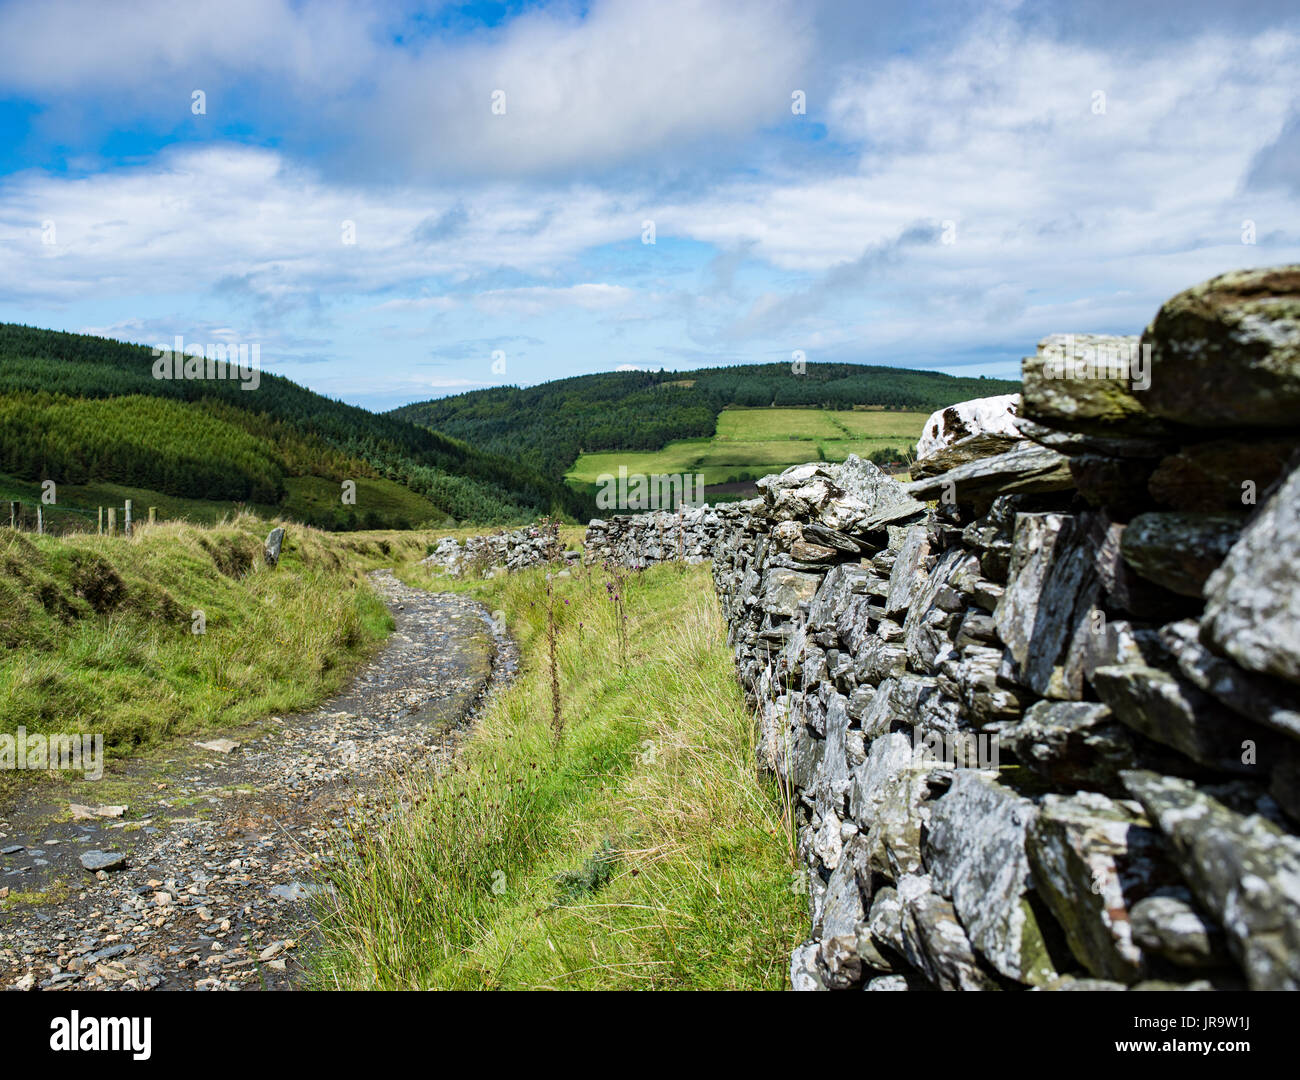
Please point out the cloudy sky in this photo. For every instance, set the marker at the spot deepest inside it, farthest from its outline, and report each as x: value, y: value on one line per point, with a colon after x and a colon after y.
x: 388, y: 197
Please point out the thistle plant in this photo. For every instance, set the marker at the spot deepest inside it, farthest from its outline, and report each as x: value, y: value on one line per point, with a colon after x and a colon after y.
x: 557, y: 715
x: 616, y: 591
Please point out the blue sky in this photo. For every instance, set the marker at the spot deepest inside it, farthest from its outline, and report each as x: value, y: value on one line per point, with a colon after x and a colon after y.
x: 966, y: 179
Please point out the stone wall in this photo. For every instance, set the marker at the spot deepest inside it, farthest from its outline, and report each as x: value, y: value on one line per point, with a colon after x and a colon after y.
x: 514, y: 550
x: 641, y: 540
x: 1039, y: 709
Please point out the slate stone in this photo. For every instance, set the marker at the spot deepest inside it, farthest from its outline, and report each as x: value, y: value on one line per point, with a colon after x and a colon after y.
x: 1222, y: 475
x: 1082, y: 442
x: 934, y: 941
x: 785, y: 590
x: 976, y: 857
x: 1123, y: 587
x: 972, y: 677
x: 806, y: 759
x: 1071, y: 983
x: 888, y: 983
x: 832, y: 538
x: 1171, y: 927
x: 1243, y: 870
x: 804, y: 552
x: 879, y: 660
x: 975, y: 628
x: 274, y: 540
x: 887, y: 804
x: 1178, y: 550
x: 1252, y: 609
x: 1255, y: 697
x: 1226, y: 353
x: 1045, y: 615
x: 910, y: 564
x: 854, y: 627
x: 843, y: 915
x: 878, y: 716
x: 859, y: 701
x: 885, y: 500
x: 1073, y: 744
x: 1117, y: 484
x: 1092, y: 859
x: 804, y: 972
x: 992, y: 533
x: 1120, y: 642
x: 94, y: 861
x: 1169, y: 709
x: 885, y: 921
x: 1068, y: 384
x: 1027, y: 467
x: 775, y: 734
x: 963, y: 452
x: 873, y: 957
x: 931, y: 614
x: 835, y: 777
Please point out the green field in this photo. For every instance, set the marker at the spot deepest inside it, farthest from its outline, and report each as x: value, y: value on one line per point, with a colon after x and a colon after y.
x: 750, y: 443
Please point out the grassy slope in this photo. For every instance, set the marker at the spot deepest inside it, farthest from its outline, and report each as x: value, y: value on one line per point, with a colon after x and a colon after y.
x: 753, y: 442
x: 96, y: 631
x: 89, y: 409
x: 490, y: 876
x: 391, y: 503
x: 305, y: 496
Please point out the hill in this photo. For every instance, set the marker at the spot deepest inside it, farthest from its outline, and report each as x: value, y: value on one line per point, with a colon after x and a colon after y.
x: 550, y: 425
x: 88, y: 413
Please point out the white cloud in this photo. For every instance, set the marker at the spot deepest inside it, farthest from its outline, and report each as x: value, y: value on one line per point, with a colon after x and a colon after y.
x: 420, y: 303
x: 622, y: 81
x: 542, y: 299
x: 1065, y: 219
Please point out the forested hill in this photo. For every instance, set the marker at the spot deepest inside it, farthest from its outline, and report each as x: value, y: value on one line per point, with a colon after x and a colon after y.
x: 78, y: 409
x: 547, y: 426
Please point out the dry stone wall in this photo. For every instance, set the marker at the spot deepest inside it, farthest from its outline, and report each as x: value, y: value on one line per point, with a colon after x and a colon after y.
x: 514, y: 550
x: 641, y: 540
x: 1039, y: 709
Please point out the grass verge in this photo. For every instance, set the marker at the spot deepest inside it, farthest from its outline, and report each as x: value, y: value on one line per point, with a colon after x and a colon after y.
x: 642, y: 850
x: 97, y: 634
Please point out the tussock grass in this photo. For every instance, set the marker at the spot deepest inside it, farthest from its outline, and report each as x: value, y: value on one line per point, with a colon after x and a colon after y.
x: 97, y: 631
x: 641, y: 851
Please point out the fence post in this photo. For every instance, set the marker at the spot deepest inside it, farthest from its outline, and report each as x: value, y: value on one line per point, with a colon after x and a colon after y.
x: 40, y: 521
x: 153, y: 515
x: 14, y: 507
x: 126, y: 523
x: 112, y: 520
x: 101, y: 521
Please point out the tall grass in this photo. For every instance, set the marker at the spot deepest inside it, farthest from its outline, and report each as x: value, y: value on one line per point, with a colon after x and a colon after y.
x: 98, y: 632
x: 643, y: 851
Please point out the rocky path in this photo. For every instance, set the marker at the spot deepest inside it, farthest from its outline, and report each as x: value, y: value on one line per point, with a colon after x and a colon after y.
x: 220, y: 852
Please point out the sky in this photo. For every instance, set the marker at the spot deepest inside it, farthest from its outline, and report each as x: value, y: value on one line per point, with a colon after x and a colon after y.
x: 398, y: 202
